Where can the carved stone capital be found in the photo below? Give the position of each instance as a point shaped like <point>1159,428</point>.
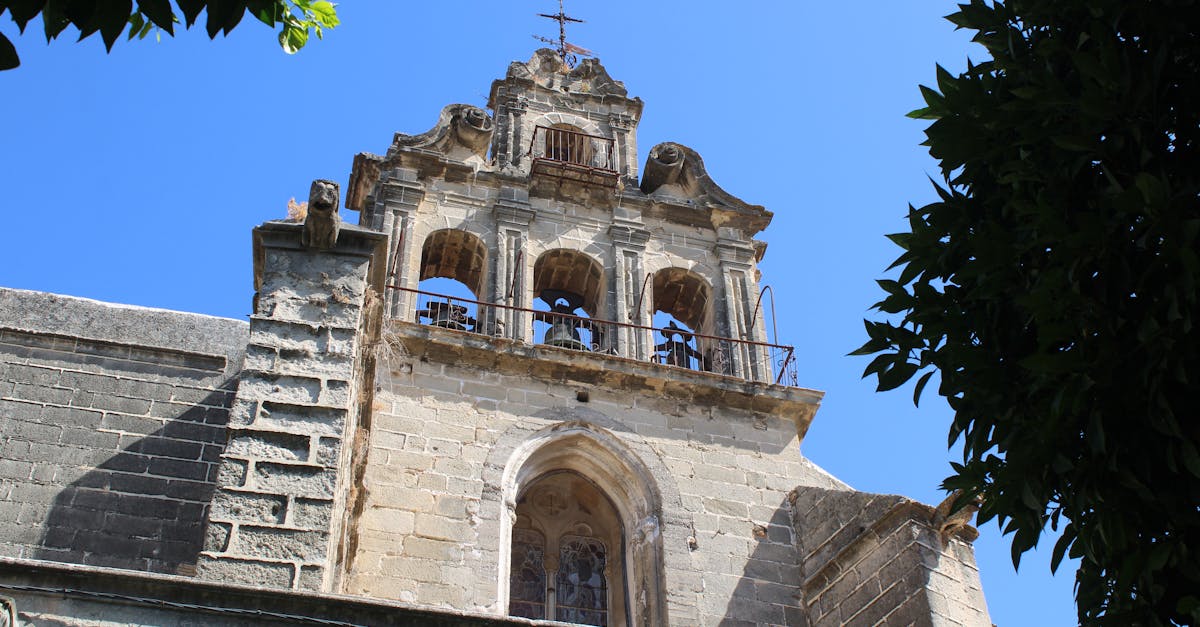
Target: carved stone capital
<point>622,122</point>
<point>736,253</point>
<point>629,235</point>
<point>516,105</point>
<point>401,195</point>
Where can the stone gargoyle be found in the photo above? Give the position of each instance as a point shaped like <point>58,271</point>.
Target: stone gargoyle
<point>322,222</point>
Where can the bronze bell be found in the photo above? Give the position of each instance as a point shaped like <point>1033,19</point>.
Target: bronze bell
<point>563,333</point>
<point>564,330</point>
<point>447,315</point>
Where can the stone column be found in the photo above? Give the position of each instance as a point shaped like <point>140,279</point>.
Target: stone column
<point>399,196</point>
<point>625,159</point>
<point>516,107</point>
<point>283,479</point>
<point>630,306</point>
<point>513,216</point>
<point>502,138</point>
<point>739,292</point>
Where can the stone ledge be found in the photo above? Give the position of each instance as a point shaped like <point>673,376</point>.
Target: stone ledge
<point>49,585</point>
<point>84,349</point>
<point>136,327</point>
<point>560,365</point>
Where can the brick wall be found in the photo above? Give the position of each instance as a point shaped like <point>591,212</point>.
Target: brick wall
<point>112,419</point>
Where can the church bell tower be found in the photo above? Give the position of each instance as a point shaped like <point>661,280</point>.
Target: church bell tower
<point>572,408</point>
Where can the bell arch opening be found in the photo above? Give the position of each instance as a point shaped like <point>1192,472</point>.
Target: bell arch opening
<point>453,265</point>
<point>574,491</point>
<point>569,285</point>
<point>682,308</point>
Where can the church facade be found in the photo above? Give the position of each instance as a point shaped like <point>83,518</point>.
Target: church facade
<point>595,427</point>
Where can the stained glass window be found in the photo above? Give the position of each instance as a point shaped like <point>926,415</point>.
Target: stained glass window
<point>582,592</point>
<point>527,583</point>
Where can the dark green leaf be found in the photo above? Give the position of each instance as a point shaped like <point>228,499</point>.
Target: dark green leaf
<point>1054,285</point>
<point>266,11</point>
<point>160,13</point>
<point>112,17</point>
<point>8,54</point>
<point>24,10</point>
<point>919,387</point>
<point>54,20</point>
<point>219,13</point>
<point>191,10</point>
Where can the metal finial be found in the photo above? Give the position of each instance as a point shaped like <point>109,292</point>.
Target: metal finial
<point>566,50</point>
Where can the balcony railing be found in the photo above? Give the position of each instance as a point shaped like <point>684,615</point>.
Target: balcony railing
<point>669,346</point>
<point>572,149</point>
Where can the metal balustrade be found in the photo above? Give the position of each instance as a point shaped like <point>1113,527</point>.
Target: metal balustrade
<point>563,146</point>
<point>668,346</point>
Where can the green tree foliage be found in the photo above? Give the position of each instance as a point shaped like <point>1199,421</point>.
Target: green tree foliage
<point>110,18</point>
<point>1054,287</point>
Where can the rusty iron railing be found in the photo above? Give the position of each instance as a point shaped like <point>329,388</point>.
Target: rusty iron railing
<point>572,148</point>
<point>745,359</point>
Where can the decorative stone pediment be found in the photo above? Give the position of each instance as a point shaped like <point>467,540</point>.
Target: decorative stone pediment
<point>546,69</point>
<point>463,133</point>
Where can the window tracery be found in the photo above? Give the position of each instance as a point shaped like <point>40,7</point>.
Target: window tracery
<point>528,576</point>
<point>566,553</point>
<point>582,588</point>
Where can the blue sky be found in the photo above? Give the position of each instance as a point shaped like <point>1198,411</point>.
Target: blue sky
<point>136,176</point>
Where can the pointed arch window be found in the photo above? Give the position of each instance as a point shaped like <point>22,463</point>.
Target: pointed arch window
<point>566,554</point>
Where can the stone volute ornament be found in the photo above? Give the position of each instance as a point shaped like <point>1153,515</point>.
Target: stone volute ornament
<point>463,132</point>
<point>322,222</point>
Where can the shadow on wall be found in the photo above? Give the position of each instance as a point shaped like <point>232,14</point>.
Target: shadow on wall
<point>768,592</point>
<point>143,508</point>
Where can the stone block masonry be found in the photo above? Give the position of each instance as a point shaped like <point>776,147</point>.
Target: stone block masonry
<point>449,417</point>
<point>870,559</point>
<point>112,421</point>
<point>284,474</point>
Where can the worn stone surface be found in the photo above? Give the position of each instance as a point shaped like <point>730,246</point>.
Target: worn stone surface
<point>282,471</point>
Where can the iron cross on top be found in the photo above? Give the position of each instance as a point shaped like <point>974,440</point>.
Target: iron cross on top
<point>566,51</point>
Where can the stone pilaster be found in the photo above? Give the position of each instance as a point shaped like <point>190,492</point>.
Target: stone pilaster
<point>738,291</point>
<point>630,304</point>
<point>283,477</point>
<point>400,194</point>
<point>513,214</point>
<point>625,131</point>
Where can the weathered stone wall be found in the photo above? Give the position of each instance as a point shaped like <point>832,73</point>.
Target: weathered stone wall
<point>872,559</point>
<point>444,431</point>
<point>112,419</point>
<point>284,476</point>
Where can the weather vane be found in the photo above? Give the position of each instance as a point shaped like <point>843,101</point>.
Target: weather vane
<point>566,51</point>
